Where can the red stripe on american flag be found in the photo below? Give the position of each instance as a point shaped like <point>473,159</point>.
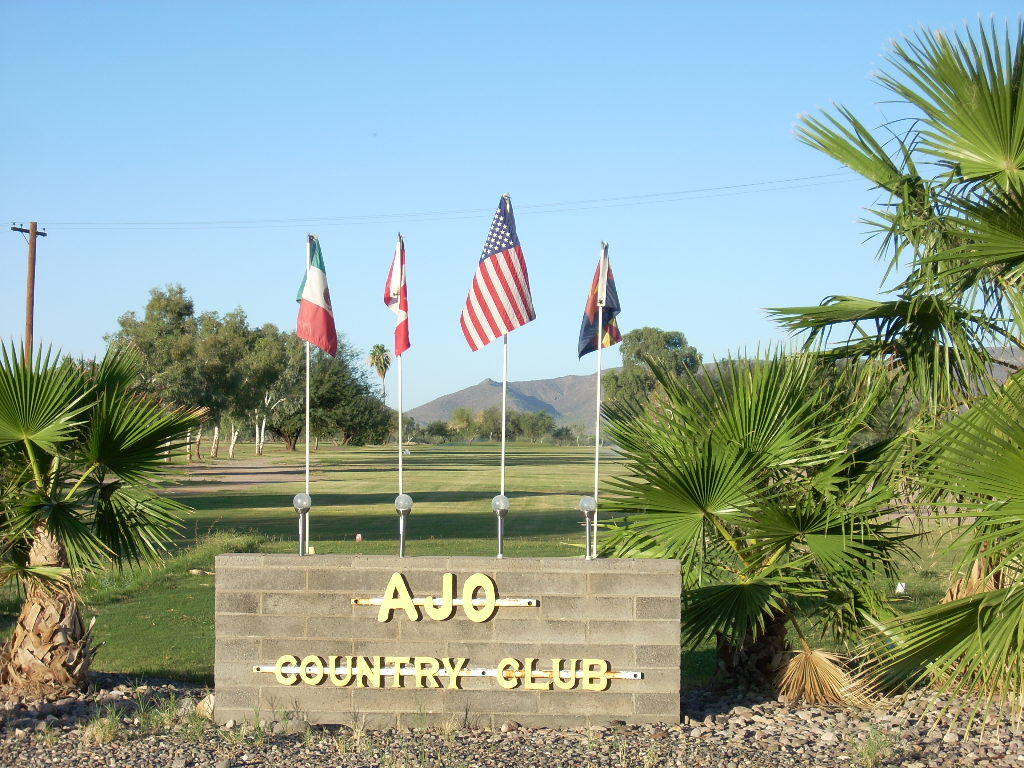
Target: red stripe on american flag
<point>484,307</point>
<point>475,319</point>
<point>499,300</point>
<point>516,271</point>
<point>493,277</point>
<point>510,295</point>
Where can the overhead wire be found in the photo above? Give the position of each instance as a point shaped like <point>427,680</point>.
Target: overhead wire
<point>653,198</point>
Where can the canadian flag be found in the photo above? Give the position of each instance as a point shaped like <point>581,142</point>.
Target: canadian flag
<point>396,297</point>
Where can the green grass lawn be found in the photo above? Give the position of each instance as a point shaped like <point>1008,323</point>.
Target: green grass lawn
<point>160,622</point>
<point>354,489</point>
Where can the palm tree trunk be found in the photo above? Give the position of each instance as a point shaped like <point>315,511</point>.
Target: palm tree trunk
<point>754,663</point>
<point>49,651</point>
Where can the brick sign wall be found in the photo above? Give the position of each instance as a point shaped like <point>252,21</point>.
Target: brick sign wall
<point>385,640</point>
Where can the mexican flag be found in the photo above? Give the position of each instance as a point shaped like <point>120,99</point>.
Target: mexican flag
<point>316,318</point>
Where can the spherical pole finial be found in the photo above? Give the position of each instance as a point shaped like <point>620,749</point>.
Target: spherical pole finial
<point>499,504</point>
<point>588,506</point>
<point>403,506</point>
<point>302,502</point>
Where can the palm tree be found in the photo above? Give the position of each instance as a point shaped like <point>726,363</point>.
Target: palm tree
<point>953,171</point>
<point>746,472</point>
<point>380,360</point>
<point>79,457</point>
<point>954,174</point>
<point>972,644</point>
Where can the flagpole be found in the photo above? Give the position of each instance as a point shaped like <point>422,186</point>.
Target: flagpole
<point>597,426</point>
<point>400,486</point>
<point>499,504</point>
<point>309,259</point>
<point>504,393</point>
<point>601,298</point>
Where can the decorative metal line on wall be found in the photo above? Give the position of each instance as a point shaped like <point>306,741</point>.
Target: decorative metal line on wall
<point>410,671</point>
<point>477,602</point>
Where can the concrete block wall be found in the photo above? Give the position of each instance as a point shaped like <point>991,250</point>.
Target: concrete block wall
<point>622,611</point>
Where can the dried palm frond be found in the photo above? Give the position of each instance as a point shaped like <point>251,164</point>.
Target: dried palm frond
<point>818,677</point>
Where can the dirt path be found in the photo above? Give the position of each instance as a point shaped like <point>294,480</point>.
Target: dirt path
<point>234,475</point>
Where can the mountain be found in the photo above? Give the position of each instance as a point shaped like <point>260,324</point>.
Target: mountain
<point>570,399</point>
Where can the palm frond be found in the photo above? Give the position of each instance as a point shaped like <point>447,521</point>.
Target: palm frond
<point>134,524</point>
<point>130,435</point>
<point>940,344</point>
<point>819,677</point>
<point>45,576</point>
<point>847,140</point>
<point>968,88</point>
<point>972,645</point>
<point>40,406</point>
<point>735,609</point>
<point>65,523</point>
<point>119,370</point>
<point>988,252</point>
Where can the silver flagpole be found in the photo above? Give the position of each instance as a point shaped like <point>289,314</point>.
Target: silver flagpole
<point>499,504</point>
<point>504,392</point>
<point>400,485</point>
<point>309,259</point>
<point>597,428</point>
<point>602,288</point>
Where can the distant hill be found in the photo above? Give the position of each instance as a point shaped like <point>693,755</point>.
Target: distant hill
<point>570,399</point>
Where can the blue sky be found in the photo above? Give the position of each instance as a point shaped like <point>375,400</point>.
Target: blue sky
<point>198,143</point>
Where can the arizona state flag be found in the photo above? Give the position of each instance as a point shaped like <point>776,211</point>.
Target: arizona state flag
<point>602,294</point>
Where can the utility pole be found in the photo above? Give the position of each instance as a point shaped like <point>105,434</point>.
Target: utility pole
<point>30,292</point>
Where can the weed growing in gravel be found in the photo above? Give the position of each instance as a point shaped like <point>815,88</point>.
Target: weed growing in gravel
<point>166,713</point>
<point>309,736</point>
<point>193,725</point>
<point>148,716</point>
<point>622,749</point>
<point>449,726</point>
<point>875,748</point>
<point>653,757</point>
<point>353,740</point>
<point>103,728</point>
<point>254,733</point>
<point>48,737</point>
<point>235,735</point>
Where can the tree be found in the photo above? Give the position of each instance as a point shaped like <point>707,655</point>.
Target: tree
<point>165,339</point>
<point>954,176</point>
<point>239,373</point>
<point>462,422</point>
<point>747,475</point>
<point>438,429</point>
<point>342,404</point>
<point>80,455</point>
<point>563,436</point>
<point>536,424</point>
<point>222,347</point>
<point>636,381</point>
<point>380,361</point>
<point>488,423</point>
<point>188,359</point>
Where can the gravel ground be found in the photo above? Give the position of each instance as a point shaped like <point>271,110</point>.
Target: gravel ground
<point>117,724</point>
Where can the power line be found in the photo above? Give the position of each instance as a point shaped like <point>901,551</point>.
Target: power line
<point>652,198</point>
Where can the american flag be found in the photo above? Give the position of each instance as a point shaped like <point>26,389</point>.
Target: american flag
<point>499,300</point>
